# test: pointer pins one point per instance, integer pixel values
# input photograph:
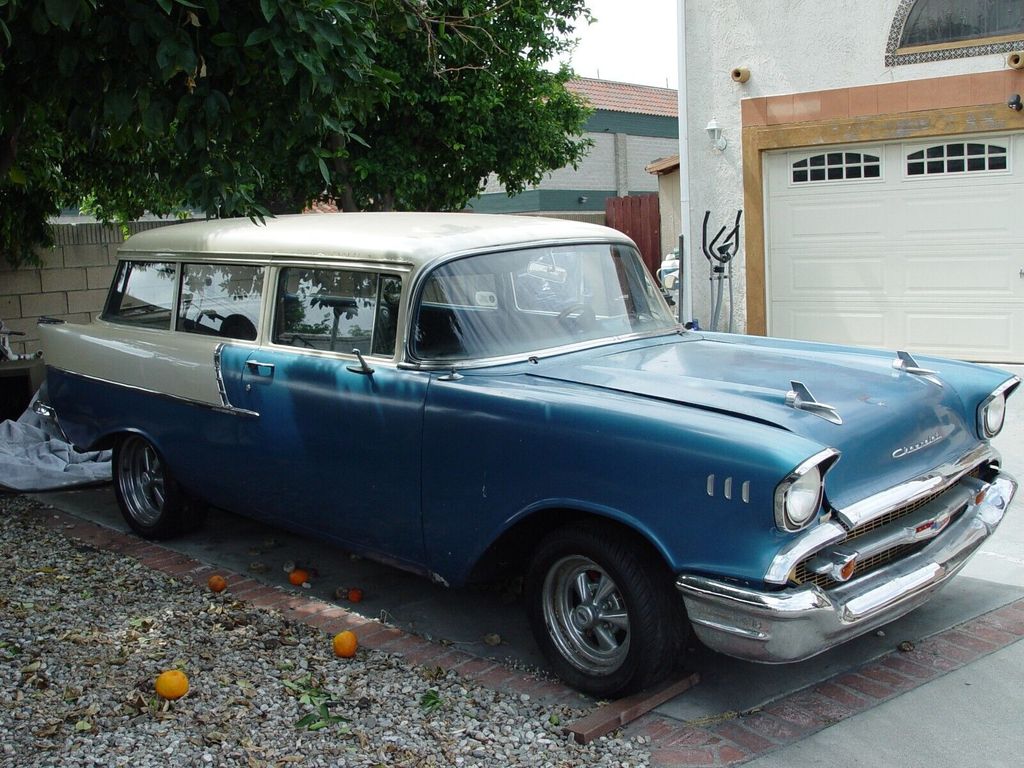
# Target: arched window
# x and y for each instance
(956, 157)
(836, 166)
(932, 30)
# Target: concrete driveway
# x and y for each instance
(463, 618)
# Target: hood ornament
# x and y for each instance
(800, 397)
(905, 362)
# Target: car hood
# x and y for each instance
(895, 425)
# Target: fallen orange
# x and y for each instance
(172, 684)
(345, 644)
(355, 595)
(217, 583)
(298, 576)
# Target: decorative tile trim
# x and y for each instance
(894, 58)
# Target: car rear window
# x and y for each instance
(142, 294)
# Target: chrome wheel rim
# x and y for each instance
(586, 615)
(140, 477)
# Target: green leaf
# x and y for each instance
(6, 31)
(62, 12)
(17, 176)
(224, 39)
(288, 69)
(166, 5)
(269, 8)
(117, 107)
(324, 172)
(67, 59)
(259, 35)
(306, 720)
(213, 10)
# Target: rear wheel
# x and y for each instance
(152, 502)
(603, 611)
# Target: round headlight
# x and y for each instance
(803, 498)
(993, 415)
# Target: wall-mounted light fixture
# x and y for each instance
(715, 134)
(1014, 103)
(581, 199)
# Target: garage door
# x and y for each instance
(916, 246)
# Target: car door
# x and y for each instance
(335, 447)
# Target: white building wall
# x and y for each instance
(789, 46)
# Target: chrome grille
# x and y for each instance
(823, 580)
(801, 575)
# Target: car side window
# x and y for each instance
(142, 294)
(337, 310)
(220, 300)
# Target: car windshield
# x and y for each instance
(520, 302)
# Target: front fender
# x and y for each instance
(698, 485)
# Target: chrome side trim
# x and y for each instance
(49, 413)
(164, 396)
(941, 477)
(415, 364)
(221, 390)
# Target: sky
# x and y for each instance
(630, 42)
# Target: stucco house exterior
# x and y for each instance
(631, 125)
(877, 151)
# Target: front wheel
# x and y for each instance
(151, 501)
(603, 611)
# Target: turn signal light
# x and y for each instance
(847, 570)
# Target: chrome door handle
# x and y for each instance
(260, 369)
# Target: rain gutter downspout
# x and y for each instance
(685, 263)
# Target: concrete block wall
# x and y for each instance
(71, 282)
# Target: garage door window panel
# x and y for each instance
(836, 166)
(957, 157)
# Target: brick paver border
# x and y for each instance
(730, 740)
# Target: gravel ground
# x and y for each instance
(84, 633)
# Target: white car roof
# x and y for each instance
(410, 238)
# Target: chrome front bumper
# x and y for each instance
(799, 622)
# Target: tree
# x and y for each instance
(473, 99)
(257, 108)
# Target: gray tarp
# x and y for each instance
(34, 457)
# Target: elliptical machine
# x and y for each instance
(720, 258)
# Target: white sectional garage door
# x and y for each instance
(916, 246)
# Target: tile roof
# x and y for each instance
(626, 97)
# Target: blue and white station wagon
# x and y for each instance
(473, 397)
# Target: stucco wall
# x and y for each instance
(789, 46)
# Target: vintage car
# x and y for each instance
(474, 397)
